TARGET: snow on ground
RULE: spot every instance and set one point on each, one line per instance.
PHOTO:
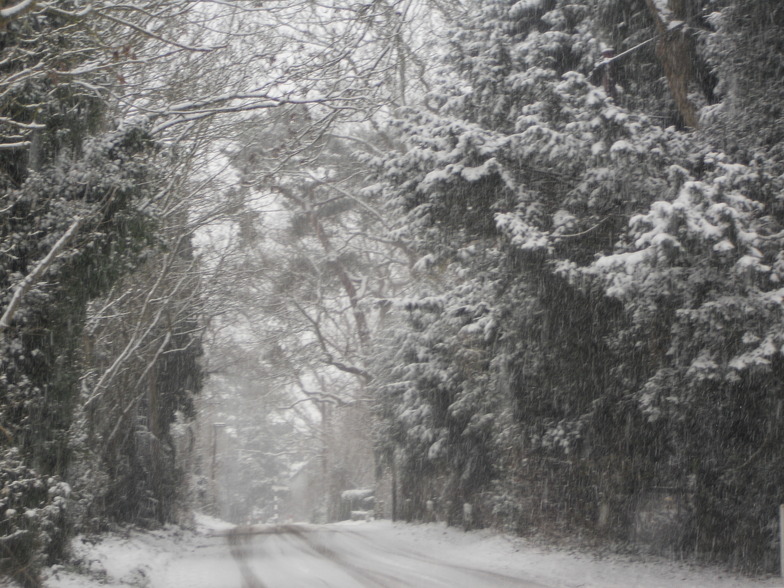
(138, 558)
(566, 568)
(206, 525)
(119, 560)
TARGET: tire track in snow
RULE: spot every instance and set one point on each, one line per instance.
(356, 558)
(240, 540)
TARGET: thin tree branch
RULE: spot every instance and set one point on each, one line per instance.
(39, 270)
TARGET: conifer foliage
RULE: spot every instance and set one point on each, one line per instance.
(599, 329)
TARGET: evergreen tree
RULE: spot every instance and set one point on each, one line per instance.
(627, 273)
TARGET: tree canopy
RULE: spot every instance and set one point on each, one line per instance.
(518, 254)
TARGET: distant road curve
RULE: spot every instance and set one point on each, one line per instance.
(313, 556)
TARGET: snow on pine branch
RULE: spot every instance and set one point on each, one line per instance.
(16, 10)
(520, 233)
(704, 215)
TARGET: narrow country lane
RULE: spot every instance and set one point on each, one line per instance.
(294, 556)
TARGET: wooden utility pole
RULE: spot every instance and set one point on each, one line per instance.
(608, 74)
(675, 53)
(214, 466)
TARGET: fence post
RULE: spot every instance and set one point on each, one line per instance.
(781, 539)
(468, 516)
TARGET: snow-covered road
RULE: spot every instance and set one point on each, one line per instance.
(292, 556)
(216, 554)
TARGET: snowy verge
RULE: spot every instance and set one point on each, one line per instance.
(128, 558)
(207, 525)
(554, 567)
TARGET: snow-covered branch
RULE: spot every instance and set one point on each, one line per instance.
(37, 272)
(15, 11)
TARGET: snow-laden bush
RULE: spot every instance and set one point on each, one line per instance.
(33, 519)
